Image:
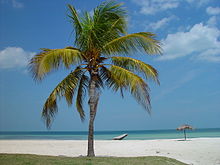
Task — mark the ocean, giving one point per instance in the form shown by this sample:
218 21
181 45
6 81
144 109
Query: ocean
108 135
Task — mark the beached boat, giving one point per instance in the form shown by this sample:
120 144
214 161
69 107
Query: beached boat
120 137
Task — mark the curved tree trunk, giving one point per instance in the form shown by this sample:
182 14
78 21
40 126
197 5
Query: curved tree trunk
93 102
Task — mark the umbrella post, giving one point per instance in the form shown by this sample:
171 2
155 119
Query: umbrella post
183 128
184 133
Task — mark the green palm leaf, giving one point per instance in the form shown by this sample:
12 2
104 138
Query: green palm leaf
110 15
137 42
65 88
82 87
50 59
123 79
110 81
77 26
136 65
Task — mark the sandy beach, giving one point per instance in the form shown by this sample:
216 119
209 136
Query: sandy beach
198 151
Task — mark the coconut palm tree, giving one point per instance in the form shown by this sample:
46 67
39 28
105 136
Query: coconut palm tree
100 57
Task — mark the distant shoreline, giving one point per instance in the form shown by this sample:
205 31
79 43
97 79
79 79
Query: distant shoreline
108 135
199 151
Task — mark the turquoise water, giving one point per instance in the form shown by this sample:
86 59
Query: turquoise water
108 135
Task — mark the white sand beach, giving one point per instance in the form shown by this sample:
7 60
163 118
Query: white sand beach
198 151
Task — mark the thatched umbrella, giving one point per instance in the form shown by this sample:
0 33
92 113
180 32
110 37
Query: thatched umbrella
184 127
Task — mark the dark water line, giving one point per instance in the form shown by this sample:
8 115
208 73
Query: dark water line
165 131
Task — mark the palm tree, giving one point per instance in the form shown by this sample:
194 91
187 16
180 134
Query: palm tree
100 58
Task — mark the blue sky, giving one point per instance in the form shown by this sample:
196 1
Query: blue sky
189 68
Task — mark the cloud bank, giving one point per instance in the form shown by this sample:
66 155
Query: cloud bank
201 42
213 10
14 57
154 6
161 23
150 7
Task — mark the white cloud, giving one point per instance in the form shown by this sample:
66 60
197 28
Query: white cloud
212 21
213 10
154 6
198 2
17 4
12 57
13 3
161 23
200 41
212 55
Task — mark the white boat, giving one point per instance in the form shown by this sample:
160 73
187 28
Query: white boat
120 137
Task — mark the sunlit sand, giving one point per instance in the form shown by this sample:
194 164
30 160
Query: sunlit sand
198 151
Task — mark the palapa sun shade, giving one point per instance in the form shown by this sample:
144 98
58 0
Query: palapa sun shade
184 127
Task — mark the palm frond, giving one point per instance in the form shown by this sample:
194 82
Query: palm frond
107 23
110 81
86 38
51 59
136 65
109 13
119 78
65 88
143 42
108 7
75 19
82 87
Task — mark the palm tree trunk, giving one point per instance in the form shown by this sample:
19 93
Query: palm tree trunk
93 102
184 134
